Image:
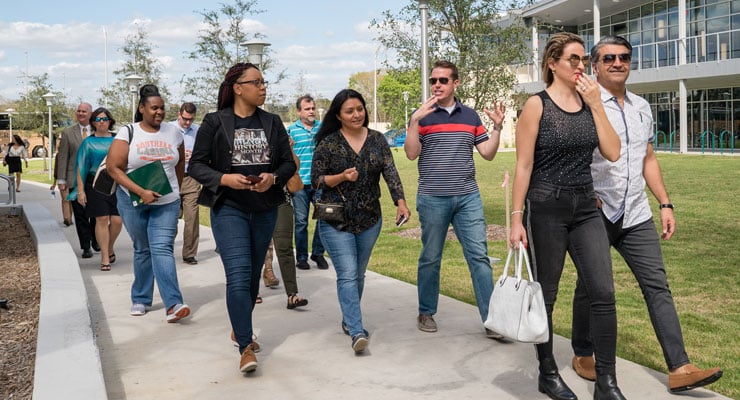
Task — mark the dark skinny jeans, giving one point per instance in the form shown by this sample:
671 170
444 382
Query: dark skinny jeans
564 218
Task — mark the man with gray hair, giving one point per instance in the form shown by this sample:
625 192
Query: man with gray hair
620 187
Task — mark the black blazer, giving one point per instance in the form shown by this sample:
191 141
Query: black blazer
213 149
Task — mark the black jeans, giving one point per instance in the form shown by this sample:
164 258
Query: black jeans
560 219
85 226
640 247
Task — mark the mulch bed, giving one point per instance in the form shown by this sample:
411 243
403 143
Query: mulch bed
20 286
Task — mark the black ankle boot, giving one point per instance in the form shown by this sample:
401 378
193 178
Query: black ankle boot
550 382
606 388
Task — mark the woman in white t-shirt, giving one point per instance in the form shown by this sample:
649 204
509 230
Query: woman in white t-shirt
152 221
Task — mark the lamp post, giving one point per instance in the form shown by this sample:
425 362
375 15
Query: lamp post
321 114
133 82
255 51
424 8
406 108
49 97
10 112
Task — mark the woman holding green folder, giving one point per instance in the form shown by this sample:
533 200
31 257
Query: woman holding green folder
148 171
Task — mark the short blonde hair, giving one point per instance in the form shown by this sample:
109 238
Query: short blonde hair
554 50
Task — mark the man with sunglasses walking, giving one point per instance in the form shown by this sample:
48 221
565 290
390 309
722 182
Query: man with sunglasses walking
190 188
442 134
620 187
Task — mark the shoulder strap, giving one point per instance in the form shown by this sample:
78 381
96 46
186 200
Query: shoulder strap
130 128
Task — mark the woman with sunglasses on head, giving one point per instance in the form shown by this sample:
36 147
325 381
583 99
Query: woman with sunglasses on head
555 205
97 205
151 222
242 158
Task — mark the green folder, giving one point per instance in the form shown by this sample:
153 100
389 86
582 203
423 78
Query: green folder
152 177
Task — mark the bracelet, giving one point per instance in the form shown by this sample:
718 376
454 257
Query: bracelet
498 127
667 205
517 212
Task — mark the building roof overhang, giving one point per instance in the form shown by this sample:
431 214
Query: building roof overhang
574 12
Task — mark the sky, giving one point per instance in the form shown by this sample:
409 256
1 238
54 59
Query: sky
324 41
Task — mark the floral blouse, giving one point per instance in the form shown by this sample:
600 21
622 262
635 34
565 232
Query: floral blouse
362 206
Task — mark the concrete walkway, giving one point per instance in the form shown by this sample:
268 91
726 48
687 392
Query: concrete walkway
304 354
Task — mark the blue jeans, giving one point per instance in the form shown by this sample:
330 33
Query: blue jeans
560 219
152 229
242 239
350 254
465 212
302 200
639 245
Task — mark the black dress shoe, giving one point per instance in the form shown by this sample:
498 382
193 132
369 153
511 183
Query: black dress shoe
550 382
606 388
95 246
302 264
190 260
87 253
320 261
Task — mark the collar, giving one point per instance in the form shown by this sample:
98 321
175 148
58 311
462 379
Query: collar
606 96
456 106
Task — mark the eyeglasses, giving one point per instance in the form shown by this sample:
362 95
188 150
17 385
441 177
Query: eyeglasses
575 59
101 119
187 119
255 82
443 80
609 59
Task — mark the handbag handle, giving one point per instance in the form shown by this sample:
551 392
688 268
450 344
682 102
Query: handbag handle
322 182
518 255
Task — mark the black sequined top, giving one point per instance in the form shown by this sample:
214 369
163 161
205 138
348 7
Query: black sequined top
362 208
565 145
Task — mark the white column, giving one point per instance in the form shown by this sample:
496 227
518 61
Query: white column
535 52
682 16
597 23
683 116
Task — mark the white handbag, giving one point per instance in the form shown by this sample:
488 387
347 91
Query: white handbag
517 308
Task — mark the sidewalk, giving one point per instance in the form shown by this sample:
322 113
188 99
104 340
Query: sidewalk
304 353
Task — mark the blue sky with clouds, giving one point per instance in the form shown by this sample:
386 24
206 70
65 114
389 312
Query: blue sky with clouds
325 41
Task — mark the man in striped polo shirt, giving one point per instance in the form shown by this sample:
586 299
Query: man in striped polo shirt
303 132
442 134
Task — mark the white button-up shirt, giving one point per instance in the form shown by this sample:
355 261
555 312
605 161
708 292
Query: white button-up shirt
621 185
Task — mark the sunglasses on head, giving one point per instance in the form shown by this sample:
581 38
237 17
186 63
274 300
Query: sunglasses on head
575 59
609 59
101 119
443 80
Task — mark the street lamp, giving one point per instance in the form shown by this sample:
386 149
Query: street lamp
49 97
255 51
321 114
406 107
133 82
10 112
424 8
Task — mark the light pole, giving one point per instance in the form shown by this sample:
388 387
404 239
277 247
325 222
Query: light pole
133 82
10 112
255 51
321 114
49 97
406 108
375 89
424 8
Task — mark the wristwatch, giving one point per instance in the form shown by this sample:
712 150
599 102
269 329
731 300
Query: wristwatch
667 205
275 180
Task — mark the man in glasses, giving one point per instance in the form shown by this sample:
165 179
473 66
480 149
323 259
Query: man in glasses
620 187
190 188
69 143
442 134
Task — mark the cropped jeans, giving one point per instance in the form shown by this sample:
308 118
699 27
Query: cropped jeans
465 213
242 239
152 229
639 245
565 218
350 254
302 201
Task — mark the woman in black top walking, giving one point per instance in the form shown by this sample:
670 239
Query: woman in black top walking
555 205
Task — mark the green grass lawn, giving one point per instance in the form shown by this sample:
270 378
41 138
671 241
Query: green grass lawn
702 260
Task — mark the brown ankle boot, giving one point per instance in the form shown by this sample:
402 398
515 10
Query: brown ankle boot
269 277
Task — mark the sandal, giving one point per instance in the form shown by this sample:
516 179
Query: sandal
105 267
112 258
259 299
295 301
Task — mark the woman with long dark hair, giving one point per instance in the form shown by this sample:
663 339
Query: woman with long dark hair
97 205
14 153
347 163
242 158
152 222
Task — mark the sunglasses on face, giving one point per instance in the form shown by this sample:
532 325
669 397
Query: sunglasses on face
444 81
101 119
187 119
575 59
609 59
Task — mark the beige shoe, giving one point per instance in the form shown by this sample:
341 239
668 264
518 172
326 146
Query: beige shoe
248 362
585 367
687 377
254 346
269 277
426 323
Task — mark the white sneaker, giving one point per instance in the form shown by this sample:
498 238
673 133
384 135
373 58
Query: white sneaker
137 310
177 312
